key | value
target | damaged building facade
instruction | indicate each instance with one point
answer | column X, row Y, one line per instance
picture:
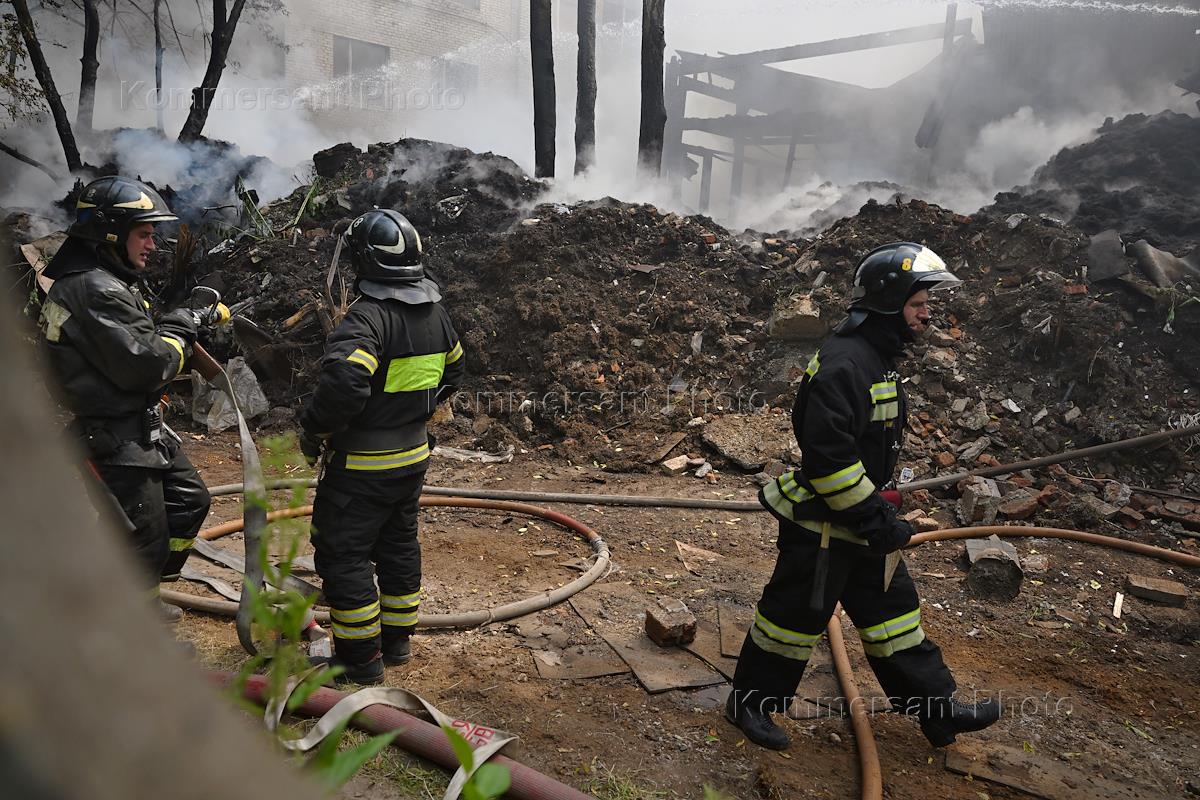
column 753, row 124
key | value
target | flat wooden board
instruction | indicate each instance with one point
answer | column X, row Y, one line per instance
column 707, row 645
column 734, row 621
column 578, row 663
column 1040, row 776
column 660, row 669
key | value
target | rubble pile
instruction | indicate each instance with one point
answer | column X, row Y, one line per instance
column 1139, row 176
column 602, row 322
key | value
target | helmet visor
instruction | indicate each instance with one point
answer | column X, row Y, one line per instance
column 929, row 271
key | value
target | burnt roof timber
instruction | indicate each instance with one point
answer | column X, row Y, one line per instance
column 696, row 62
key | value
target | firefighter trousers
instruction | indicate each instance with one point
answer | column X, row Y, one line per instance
column 165, row 507
column 785, row 629
column 361, row 525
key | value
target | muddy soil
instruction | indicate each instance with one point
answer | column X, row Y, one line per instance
column 1115, row 698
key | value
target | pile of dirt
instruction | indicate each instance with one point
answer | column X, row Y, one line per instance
column 1139, row 176
column 601, row 327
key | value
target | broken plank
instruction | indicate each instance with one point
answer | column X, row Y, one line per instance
column 707, row 645
column 1040, row 776
column 670, row 444
column 579, row 663
column 1157, row 590
column 734, row 622
column 660, row 669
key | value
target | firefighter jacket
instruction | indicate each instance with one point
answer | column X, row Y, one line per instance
column 848, row 419
column 110, row 359
column 385, row 368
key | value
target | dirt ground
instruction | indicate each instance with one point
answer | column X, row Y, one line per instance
column 1113, row 699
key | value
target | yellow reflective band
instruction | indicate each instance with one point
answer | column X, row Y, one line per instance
column 392, row 618
column 892, row 627
column 414, row 373
column 893, row 646
column 143, row 203
column 853, row 496
column 179, row 545
column 814, row 364
column 401, row 600
column 366, row 359
column 403, row 458
column 355, row 614
column 783, row 634
column 835, row 531
column 793, row 490
column 794, row 652
column 342, row 632
column 883, row 391
column 840, row 479
column 455, row 353
column 178, row 345
column 885, row 411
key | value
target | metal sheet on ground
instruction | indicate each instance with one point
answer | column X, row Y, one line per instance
column 733, row 621
column 578, row 663
column 659, row 669
column 707, row 645
column 1040, row 776
column 617, row 612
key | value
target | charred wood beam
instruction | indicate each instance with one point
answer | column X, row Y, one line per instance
column 654, row 109
column 585, row 79
column 541, row 45
column 695, row 62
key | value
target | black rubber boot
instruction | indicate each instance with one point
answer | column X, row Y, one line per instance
column 756, row 724
column 947, row 717
column 396, row 650
column 168, row 613
column 366, row 674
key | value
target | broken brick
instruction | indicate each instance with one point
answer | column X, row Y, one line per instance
column 1157, row 590
column 1073, row 289
column 1021, row 504
column 670, row 623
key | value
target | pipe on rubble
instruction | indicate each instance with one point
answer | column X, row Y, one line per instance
column 468, row 619
column 416, row 736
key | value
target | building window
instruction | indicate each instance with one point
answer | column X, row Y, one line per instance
column 352, row 57
column 456, row 76
column 618, row 12
column 361, row 65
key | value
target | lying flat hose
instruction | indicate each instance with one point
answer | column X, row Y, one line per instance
column 416, row 736
column 469, row 619
column 868, row 755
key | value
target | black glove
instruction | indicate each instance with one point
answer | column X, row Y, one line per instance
column 311, row 447
column 890, row 539
column 181, row 322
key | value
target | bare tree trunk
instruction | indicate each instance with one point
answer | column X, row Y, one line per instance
column 158, row 65
column 585, row 80
column 87, row 75
column 541, row 46
column 654, row 110
column 202, row 96
column 46, row 79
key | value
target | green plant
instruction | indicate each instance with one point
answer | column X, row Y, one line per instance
column 280, row 616
column 487, row 782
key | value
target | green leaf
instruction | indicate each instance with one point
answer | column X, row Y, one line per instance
column 347, row 762
column 491, row 780
column 323, row 758
column 307, row 686
column 462, row 748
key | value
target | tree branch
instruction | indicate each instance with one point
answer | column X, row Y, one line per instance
column 17, row 154
column 42, row 71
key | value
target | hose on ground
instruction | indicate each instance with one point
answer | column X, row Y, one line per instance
column 415, row 736
column 870, row 772
column 469, row 619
